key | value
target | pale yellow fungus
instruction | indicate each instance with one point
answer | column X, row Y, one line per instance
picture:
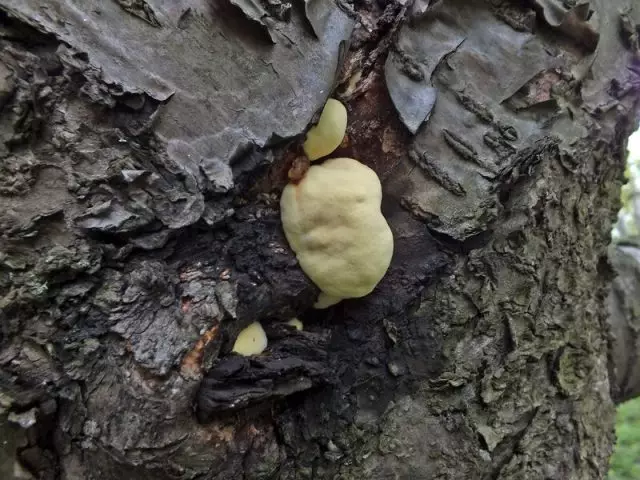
column 327, row 135
column 332, row 221
column 251, row 341
column 296, row 323
column 325, row 301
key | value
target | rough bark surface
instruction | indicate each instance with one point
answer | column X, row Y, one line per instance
column 143, row 148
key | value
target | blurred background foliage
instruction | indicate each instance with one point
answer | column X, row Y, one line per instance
column 625, row 462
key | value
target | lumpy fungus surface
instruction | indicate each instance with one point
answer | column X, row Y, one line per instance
column 332, row 221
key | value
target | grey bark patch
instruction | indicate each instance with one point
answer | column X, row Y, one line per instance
column 141, row 9
column 419, row 8
column 226, row 292
column 432, row 168
column 216, row 212
column 414, row 95
column 168, row 189
column 18, row 174
column 152, row 241
column 112, row 217
column 321, row 15
column 457, row 46
column 604, row 65
column 399, row 440
column 300, row 70
column 25, row 419
column 218, row 173
column 413, row 99
column 256, row 13
column 145, row 308
column 553, row 11
column 571, row 21
column 218, row 176
column 7, row 84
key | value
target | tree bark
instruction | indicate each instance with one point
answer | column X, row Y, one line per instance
column 144, row 146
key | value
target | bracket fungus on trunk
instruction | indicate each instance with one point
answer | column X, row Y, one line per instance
column 332, row 218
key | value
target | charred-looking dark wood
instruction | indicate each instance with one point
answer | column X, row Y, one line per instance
column 144, row 145
column 297, row 362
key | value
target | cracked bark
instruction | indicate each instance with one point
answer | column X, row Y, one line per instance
column 143, row 147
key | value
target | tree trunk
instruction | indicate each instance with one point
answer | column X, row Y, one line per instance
column 144, row 146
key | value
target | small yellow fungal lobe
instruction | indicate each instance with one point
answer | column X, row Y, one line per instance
column 296, row 323
column 332, row 221
column 327, row 135
column 251, row 341
column 326, row 301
